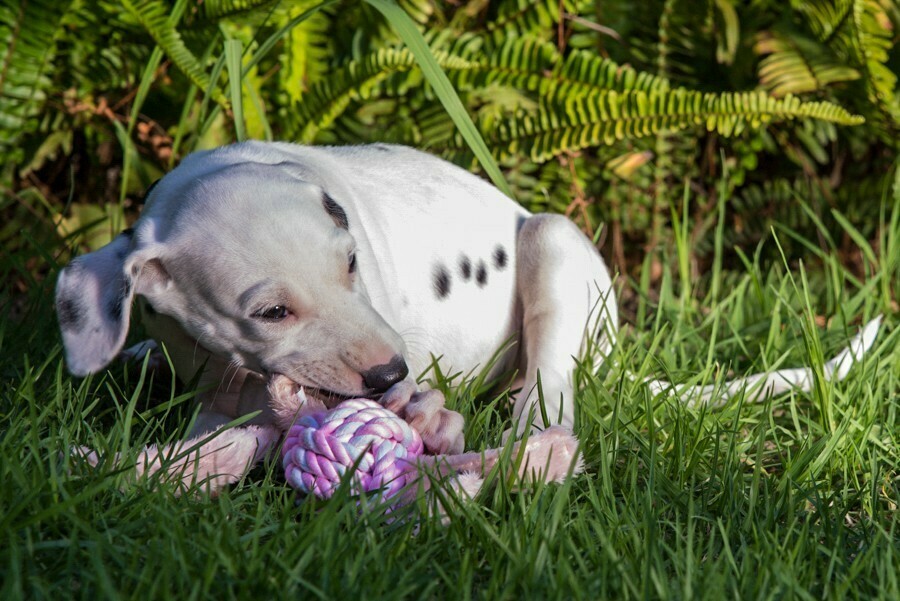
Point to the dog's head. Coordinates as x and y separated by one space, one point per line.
255 264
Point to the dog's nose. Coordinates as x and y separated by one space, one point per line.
382 377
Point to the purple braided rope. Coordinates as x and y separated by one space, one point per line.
320 448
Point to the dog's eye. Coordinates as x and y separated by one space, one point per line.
351 263
276 313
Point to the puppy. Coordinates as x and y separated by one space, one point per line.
289 278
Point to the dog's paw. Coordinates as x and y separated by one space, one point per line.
399 396
287 400
521 426
441 429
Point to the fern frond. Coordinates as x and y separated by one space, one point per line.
859 31
28 30
874 44
418 10
607 116
305 54
221 9
523 63
674 39
516 18
328 99
794 64
154 17
537 66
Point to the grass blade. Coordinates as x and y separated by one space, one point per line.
233 51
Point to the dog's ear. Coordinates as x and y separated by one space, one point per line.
94 294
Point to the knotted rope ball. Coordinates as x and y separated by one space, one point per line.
322 447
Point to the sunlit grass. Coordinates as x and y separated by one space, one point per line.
792 498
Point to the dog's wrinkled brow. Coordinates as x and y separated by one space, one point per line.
336 211
246 299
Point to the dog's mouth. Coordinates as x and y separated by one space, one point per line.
329 398
288 393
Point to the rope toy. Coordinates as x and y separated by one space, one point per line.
320 448
388 454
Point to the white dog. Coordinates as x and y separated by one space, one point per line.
292 277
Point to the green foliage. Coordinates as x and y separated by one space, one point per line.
28 34
608 116
852 40
794 65
671 91
221 9
161 21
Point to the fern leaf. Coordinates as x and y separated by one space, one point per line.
28 30
874 44
328 99
527 17
674 39
418 10
154 17
860 31
221 9
523 63
537 66
794 65
608 116
306 53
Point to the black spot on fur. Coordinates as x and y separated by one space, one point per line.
335 211
441 282
70 314
465 268
500 257
481 274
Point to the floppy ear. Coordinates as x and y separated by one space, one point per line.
93 304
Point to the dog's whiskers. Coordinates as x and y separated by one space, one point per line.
236 367
415 339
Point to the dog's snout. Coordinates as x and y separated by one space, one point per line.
382 377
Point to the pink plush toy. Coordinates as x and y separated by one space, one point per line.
388 454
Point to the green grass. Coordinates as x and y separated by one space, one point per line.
794 498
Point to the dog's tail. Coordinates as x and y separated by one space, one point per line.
762 386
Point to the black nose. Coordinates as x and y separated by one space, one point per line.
382 377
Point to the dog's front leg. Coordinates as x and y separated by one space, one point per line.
440 428
566 296
211 455
210 460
